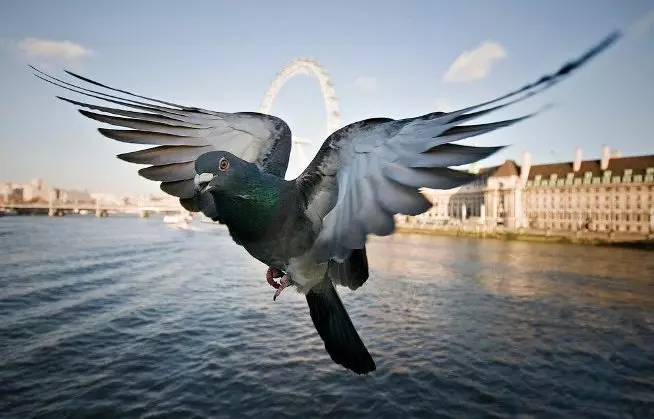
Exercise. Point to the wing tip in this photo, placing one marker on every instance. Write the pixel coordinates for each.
(125, 157)
(107, 132)
(548, 80)
(130, 157)
(89, 114)
(149, 173)
(121, 135)
(102, 118)
(65, 99)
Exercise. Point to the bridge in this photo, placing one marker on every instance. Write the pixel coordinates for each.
(101, 210)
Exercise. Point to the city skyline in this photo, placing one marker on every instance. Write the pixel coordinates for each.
(412, 70)
(568, 157)
(40, 190)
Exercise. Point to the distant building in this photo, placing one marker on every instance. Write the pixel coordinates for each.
(81, 197)
(38, 190)
(612, 193)
(11, 192)
(107, 199)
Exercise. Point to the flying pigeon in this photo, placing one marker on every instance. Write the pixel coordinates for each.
(310, 231)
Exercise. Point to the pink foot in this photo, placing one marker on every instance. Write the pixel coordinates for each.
(273, 273)
(283, 283)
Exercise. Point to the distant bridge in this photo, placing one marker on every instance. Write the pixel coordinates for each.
(101, 210)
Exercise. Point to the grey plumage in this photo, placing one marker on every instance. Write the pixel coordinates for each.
(362, 164)
(182, 134)
(231, 167)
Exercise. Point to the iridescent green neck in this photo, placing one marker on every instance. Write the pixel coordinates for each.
(253, 209)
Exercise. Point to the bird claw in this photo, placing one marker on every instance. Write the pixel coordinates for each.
(273, 273)
(279, 286)
(283, 283)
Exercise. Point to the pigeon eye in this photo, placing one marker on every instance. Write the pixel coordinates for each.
(223, 164)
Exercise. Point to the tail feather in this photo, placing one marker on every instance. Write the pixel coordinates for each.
(351, 273)
(334, 326)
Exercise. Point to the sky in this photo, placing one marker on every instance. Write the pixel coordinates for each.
(390, 59)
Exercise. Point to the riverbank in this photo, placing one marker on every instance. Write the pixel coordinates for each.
(591, 239)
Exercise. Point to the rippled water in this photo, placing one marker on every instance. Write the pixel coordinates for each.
(122, 317)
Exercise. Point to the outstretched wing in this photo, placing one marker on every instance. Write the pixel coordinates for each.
(181, 134)
(370, 170)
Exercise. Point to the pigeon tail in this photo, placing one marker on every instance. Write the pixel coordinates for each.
(334, 326)
(351, 273)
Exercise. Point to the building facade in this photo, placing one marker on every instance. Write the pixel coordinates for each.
(39, 191)
(612, 193)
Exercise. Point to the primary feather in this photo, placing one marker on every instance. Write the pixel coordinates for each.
(181, 134)
(366, 172)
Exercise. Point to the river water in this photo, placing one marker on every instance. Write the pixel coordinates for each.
(123, 317)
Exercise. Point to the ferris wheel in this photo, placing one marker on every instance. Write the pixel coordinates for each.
(305, 66)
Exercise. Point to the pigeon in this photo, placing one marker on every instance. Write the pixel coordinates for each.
(311, 231)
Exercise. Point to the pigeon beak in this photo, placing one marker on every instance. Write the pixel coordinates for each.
(202, 182)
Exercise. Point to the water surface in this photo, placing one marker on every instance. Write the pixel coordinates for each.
(123, 317)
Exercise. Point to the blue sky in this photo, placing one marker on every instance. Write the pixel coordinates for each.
(385, 59)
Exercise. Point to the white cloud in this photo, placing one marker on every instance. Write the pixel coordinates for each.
(366, 83)
(48, 51)
(47, 48)
(475, 64)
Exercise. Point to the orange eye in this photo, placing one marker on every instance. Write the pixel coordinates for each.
(223, 164)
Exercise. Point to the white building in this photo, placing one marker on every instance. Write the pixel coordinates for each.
(612, 193)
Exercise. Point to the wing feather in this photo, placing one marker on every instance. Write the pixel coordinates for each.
(165, 154)
(169, 172)
(141, 124)
(180, 134)
(132, 114)
(448, 154)
(181, 189)
(150, 137)
(366, 172)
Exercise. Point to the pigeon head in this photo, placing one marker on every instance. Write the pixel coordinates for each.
(246, 199)
(221, 171)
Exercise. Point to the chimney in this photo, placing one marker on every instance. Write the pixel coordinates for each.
(615, 154)
(606, 156)
(576, 165)
(525, 167)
